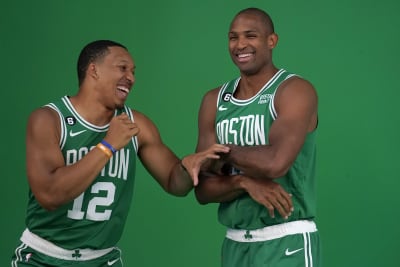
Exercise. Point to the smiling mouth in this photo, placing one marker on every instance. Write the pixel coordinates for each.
(244, 55)
(123, 89)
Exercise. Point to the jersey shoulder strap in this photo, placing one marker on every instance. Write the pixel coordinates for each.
(226, 91)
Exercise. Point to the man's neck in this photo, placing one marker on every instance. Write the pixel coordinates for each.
(250, 85)
(92, 110)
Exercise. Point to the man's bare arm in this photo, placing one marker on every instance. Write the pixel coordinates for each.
(296, 105)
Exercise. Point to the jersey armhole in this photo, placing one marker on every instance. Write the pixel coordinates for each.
(272, 109)
(134, 139)
(63, 127)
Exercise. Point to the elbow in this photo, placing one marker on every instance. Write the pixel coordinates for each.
(202, 201)
(48, 205)
(177, 190)
(277, 174)
(181, 194)
(200, 198)
(277, 170)
(48, 201)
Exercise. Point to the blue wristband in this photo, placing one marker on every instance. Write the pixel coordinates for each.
(108, 146)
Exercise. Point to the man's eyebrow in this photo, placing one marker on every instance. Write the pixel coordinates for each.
(248, 31)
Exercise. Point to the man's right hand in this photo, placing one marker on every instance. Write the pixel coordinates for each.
(121, 130)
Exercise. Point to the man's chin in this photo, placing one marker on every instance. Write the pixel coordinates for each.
(119, 105)
(248, 72)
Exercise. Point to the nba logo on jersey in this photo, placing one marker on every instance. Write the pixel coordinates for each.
(264, 98)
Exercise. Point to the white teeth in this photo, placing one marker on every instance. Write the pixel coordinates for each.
(244, 55)
(123, 89)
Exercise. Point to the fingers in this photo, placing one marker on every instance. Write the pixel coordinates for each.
(218, 148)
(123, 116)
(282, 206)
(125, 121)
(271, 195)
(270, 208)
(134, 129)
(272, 204)
(214, 151)
(283, 203)
(195, 161)
(121, 130)
(195, 178)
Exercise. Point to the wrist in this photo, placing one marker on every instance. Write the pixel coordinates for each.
(105, 150)
(108, 145)
(240, 182)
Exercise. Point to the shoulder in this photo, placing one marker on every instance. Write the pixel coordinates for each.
(44, 114)
(44, 123)
(140, 117)
(294, 94)
(208, 105)
(211, 96)
(297, 81)
(296, 86)
(51, 111)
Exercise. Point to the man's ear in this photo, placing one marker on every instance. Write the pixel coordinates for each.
(92, 71)
(272, 40)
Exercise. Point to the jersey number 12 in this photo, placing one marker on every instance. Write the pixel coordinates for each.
(91, 213)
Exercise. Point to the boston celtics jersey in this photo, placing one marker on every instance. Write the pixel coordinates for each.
(96, 218)
(247, 123)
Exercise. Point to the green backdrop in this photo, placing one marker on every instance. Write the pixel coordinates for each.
(349, 49)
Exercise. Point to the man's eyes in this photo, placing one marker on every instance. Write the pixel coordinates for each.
(248, 36)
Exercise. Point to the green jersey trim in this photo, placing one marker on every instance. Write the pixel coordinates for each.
(271, 84)
(81, 120)
(63, 135)
(84, 123)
